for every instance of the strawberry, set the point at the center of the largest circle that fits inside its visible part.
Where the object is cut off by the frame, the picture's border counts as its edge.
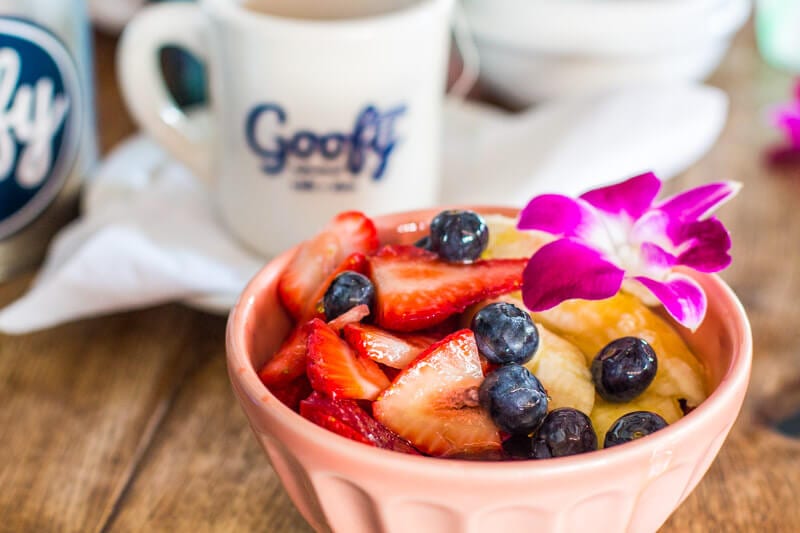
(416, 290)
(395, 351)
(289, 362)
(318, 257)
(353, 316)
(346, 418)
(434, 402)
(401, 250)
(336, 370)
(442, 329)
(292, 392)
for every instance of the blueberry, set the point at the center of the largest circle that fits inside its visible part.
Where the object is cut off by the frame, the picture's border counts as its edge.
(518, 447)
(514, 398)
(424, 243)
(633, 426)
(505, 334)
(348, 290)
(624, 369)
(459, 236)
(565, 431)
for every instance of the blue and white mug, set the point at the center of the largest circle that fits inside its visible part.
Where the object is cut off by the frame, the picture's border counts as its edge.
(315, 107)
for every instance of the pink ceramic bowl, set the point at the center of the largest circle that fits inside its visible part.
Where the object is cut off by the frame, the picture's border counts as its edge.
(348, 487)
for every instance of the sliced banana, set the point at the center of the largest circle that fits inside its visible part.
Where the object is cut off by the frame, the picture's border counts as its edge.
(562, 369)
(606, 413)
(506, 241)
(558, 364)
(590, 325)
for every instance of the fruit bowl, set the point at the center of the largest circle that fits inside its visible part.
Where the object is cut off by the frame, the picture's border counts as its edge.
(345, 486)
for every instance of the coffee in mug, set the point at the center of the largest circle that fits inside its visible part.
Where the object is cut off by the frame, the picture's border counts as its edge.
(330, 10)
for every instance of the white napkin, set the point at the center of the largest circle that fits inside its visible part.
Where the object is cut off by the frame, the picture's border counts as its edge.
(570, 146)
(149, 234)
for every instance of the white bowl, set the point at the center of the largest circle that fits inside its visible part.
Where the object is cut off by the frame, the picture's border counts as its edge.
(533, 50)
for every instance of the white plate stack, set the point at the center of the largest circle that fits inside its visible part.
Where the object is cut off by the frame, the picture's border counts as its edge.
(533, 50)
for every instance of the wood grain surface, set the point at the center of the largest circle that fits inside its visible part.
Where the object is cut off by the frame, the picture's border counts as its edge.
(127, 423)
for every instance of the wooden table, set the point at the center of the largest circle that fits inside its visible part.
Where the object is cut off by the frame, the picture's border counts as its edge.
(127, 423)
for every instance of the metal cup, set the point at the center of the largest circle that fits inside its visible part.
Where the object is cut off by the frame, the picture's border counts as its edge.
(47, 128)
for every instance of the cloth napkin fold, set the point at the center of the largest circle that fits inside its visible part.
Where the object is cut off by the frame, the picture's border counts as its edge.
(149, 233)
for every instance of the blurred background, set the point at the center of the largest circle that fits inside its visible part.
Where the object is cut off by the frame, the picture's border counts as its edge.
(526, 57)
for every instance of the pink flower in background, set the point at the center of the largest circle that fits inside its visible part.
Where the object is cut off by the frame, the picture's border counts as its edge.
(621, 234)
(787, 118)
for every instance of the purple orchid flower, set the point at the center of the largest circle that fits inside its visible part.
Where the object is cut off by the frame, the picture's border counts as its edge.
(787, 118)
(619, 234)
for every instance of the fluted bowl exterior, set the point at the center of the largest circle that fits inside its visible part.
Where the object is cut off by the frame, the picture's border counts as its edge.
(347, 487)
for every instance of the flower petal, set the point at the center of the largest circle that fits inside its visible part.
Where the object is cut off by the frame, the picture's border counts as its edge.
(556, 214)
(655, 258)
(566, 269)
(786, 117)
(792, 127)
(699, 202)
(706, 244)
(682, 297)
(632, 197)
(654, 227)
(563, 216)
(787, 157)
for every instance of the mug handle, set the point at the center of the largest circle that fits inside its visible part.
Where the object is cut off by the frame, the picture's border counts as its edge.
(144, 89)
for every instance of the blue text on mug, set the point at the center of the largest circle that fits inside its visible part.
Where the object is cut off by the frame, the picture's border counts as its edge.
(331, 160)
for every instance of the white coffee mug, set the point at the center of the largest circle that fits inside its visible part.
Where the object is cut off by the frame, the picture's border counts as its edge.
(316, 107)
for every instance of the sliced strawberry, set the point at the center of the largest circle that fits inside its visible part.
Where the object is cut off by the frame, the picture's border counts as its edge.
(316, 258)
(395, 351)
(390, 372)
(353, 316)
(434, 405)
(356, 232)
(415, 291)
(313, 262)
(443, 329)
(356, 262)
(289, 362)
(293, 392)
(400, 250)
(336, 370)
(346, 418)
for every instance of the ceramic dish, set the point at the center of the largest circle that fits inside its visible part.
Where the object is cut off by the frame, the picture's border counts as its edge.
(347, 487)
(532, 50)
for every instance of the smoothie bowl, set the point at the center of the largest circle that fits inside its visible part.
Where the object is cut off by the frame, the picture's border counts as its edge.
(431, 432)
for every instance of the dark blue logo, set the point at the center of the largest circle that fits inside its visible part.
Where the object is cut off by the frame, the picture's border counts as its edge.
(39, 126)
(330, 160)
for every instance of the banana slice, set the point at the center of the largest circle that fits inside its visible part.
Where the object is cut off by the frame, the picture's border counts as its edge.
(558, 364)
(590, 325)
(506, 241)
(562, 369)
(605, 413)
